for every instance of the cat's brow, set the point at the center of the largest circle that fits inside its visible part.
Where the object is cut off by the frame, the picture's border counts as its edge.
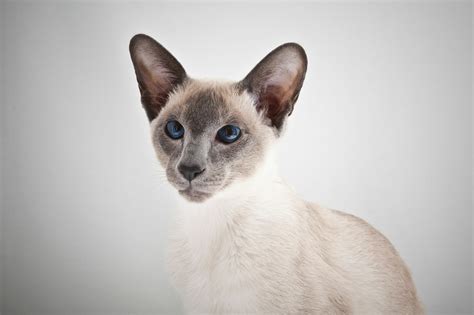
(203, 109)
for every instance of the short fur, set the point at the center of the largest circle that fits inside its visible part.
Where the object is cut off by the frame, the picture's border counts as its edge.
(244, 242)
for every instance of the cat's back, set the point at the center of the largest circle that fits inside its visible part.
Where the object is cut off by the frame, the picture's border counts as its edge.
(375, 276)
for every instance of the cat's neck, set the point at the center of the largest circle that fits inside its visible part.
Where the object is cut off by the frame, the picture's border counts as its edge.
(260, 187)
(206, 224)
(261, 195)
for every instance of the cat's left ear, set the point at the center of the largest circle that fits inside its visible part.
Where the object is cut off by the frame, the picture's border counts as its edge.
(276, 82)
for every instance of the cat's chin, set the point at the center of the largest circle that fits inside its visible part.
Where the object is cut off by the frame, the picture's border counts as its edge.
(193, 195)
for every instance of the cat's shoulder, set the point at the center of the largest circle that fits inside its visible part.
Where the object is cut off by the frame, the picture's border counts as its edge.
(359, 241)
(344, 225)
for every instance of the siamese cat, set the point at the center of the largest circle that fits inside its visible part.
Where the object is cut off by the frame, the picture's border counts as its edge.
(245, 242)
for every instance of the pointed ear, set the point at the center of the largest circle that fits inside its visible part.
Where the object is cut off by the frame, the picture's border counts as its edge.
(276, 82)
(158, 73)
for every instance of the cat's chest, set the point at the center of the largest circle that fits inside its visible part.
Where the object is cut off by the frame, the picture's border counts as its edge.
(221, 260)
(214, 266)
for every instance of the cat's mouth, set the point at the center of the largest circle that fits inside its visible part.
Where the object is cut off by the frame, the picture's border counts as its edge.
(191, 194)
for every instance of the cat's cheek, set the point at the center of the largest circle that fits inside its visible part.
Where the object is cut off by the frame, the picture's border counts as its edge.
(247, 158)
(162, 157)
(166, 145)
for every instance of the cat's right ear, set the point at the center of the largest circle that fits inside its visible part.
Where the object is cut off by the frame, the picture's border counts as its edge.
(158, 73)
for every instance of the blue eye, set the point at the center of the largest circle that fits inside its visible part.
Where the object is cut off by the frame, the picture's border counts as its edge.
(228, 134)
(174, 129)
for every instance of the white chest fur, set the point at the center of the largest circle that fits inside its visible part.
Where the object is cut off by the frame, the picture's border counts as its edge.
(224, 251)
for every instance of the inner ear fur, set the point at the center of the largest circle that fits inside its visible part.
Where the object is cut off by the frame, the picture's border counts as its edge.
(276, 82)
(158, 73)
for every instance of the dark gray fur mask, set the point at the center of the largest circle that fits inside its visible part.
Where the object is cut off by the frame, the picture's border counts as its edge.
(198, 162)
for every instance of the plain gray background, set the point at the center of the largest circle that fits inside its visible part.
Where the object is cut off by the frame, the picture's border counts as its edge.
(382, 129)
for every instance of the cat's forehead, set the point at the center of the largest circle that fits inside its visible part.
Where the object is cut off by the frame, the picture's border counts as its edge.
(204, 108)
(200, 105)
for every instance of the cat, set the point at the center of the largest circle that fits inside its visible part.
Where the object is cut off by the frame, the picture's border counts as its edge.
(244, 242)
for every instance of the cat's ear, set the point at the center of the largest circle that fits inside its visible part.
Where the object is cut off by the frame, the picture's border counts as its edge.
(158, 73)
(276, 81)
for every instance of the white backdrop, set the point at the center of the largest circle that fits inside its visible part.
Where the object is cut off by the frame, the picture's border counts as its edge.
(382, 129)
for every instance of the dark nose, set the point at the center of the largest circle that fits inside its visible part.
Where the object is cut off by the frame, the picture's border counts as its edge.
(190, 172)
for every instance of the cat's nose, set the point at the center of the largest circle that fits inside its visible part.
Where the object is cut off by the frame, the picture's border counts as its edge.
(190, 172)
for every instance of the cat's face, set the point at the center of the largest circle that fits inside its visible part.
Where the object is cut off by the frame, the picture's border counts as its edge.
(209, 135)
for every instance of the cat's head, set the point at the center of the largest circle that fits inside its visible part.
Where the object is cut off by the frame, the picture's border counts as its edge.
(209, 135)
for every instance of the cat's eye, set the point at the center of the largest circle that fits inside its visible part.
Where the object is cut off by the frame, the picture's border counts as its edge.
(228, 134)
(174, 129)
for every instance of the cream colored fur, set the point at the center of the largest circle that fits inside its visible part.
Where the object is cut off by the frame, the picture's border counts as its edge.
(257, 248)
